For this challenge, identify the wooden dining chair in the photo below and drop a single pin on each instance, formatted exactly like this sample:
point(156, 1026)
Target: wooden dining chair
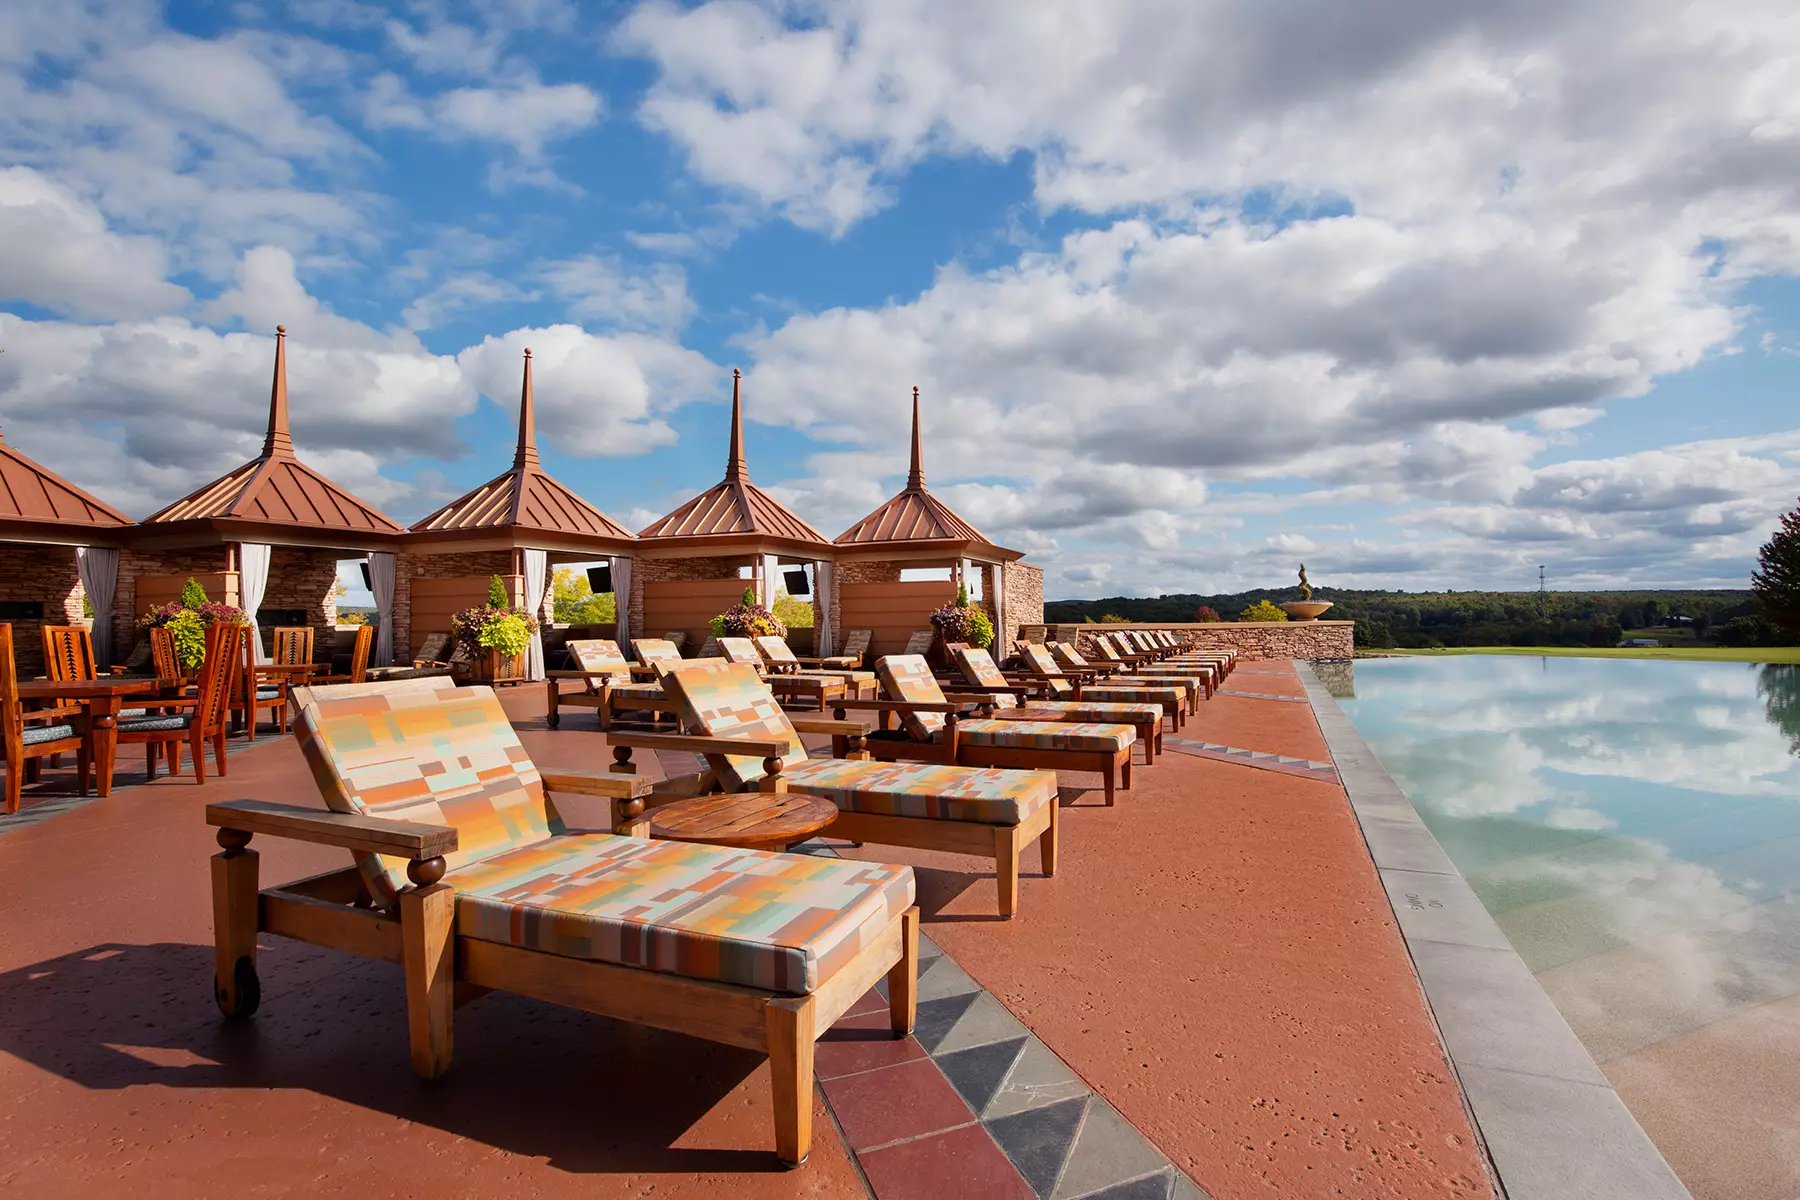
point(291, 645)
point(32, 737)
point(359, 660)
point(195, 720)
point(267, 692)
point(68, 652)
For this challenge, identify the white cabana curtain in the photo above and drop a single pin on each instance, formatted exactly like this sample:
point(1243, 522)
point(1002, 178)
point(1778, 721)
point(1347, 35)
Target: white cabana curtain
point(253, 581)
point(771, 580)
point(99, 571)
point(537, 565)
point(621, 579)
point(381, 582)
point(971, 576)
point(822, 636)
point(1000, 642)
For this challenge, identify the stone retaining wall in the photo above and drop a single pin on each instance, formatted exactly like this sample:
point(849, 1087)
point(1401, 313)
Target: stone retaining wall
point(1253, 640)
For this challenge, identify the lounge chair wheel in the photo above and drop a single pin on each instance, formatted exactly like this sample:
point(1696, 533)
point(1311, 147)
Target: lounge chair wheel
point(249, 992)
point(792, 1166)
point(553, 719)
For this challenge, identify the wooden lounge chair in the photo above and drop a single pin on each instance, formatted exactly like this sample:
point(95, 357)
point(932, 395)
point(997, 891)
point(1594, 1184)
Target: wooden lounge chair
point(856, 646)
point(651, 651)
point(709, 648)
point(779, 659)
point(963, 810)
point(608, 687)
point(676, 638)
point(934, 728)
point(1200, 679)
point(1076, 685)
point(920, 641)
point(433, 652)
point(982, 674)
point(198, 719)
point(1219, 661)
point(811, 689)
point(38, 734)
point(466, 878)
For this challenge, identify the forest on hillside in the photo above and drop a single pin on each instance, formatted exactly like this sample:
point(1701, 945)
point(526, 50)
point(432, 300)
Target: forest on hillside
point(1423, 620)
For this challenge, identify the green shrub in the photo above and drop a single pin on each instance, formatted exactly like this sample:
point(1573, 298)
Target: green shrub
point(192, 594)
point(509, 634)
point(497, 597)
point(981, 629)
point(188, 630)
point(1262, 610)
point(1114, 619)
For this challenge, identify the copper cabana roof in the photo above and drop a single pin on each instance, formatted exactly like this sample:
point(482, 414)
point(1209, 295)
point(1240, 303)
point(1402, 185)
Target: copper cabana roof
point(734, 515)
point(918, 523)
point(272, 498)
point(523, 507)
point(38, 505)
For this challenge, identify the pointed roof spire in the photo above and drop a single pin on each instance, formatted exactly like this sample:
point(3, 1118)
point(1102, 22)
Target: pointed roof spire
point(526, 455)
point(736, 470)
point(278, 444)
point(915, 478)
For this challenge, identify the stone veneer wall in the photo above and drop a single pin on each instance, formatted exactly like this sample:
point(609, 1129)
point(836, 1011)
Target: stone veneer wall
point(410, 565)
point(655, 570)
point(133, 563)
point(46, 574)
point(298, 578)
point(1024, 602)
point(1255, 640)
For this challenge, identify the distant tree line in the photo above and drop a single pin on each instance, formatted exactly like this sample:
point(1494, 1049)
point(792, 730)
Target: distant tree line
point(1424, 620)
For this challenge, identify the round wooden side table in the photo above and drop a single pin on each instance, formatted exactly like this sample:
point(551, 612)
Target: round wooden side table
point(751, 820)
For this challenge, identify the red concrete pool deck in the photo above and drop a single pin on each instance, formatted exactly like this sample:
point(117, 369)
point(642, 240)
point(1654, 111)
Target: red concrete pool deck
point(1215, 958)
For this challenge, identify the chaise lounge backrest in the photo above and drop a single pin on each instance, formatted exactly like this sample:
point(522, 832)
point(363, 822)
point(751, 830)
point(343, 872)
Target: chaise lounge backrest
point(908, 677)
point(777, 651)
point(1042, 664)
point(599, 654)
point(731, 701)
point(740, 650)
point(919, 642)
point(856, 643)
point(424, 750)
point(1067, 655)
point(978, 666)
point(650, 651)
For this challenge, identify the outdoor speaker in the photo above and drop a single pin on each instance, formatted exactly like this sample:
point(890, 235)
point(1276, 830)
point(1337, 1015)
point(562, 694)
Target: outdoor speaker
point(796, 582)
point(365, 571)
point(600, 578)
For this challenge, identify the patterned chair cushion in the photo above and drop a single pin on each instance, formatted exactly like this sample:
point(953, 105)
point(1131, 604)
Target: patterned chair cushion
point(841, 662)
point(1192, 685)
point(906, 677)
point(598, 654)
point(157, 724)
point(1082, 710)
point(740, 650)
point(647, 694)
point(268, 693)
point(978, 667)
point(36, 735)
point(733, 701)
point(663, 667)
point(651, 651)
point(1047, 735)
point(986, 795)
point(1067, 655)
point(125, 713)
point(1044, 666)
point(778, 652)
point(786, 922)
point(1105, 650)
point(415, 751)
point(1170, 697)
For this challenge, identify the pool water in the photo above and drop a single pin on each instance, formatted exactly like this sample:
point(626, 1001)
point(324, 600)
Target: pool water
point(1634, 827)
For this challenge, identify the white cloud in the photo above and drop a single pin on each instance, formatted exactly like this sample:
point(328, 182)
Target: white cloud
point(604, 289)
point(522, 113)
point(57, 252)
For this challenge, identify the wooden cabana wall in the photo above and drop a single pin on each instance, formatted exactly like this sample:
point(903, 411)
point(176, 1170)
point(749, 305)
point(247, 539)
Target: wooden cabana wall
point(690, 562)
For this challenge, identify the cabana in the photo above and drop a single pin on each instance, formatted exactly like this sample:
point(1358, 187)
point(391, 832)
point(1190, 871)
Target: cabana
point(56, 543)
point(915, 530)
point(266, 537)
point(517, 525)
point(689, 561)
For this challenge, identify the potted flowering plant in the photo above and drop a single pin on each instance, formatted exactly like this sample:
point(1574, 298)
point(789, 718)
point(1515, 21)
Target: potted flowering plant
point(187, 621)
point(748, 619)
point(963, 622)
point(495, 635)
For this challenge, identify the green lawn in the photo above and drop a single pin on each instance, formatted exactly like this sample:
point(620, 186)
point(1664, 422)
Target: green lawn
point(1774, 654)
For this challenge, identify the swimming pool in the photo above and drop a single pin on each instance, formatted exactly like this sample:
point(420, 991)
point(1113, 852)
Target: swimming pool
point(1634, 828)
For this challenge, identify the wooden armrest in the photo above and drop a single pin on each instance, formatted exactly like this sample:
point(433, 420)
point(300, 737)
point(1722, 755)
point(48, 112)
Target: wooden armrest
point(168, 702)
point(602, 674)
point(759, 747)
point(899, 705)
point(806, 724)
point(594, 783)
point(980, 688)
point(964, 699)
point(369, 835)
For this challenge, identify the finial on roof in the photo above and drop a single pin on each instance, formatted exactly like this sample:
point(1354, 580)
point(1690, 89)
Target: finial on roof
point(526, 455)
point(279, 442)
point(735, 467)
point(915, 479)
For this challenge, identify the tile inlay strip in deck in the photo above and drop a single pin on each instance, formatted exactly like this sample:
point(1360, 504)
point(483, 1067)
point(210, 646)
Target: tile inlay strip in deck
point(1553, 1126)
point(978, 1095)
point(1260, 759)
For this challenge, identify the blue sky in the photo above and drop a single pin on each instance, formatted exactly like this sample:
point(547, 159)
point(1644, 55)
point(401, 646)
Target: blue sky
point(1193, 291)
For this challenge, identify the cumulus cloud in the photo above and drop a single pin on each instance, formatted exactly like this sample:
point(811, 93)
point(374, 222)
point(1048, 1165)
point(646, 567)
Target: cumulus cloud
point(57, 252)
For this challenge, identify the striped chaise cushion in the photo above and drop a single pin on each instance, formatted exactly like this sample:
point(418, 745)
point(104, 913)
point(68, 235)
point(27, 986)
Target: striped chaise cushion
point(651, 651)
point(778, 652)
point(978, 667)
point(1083, 710)
point(422, 751)
point(740, 650)
point(786, 922)
point(1193, 685)
point(1173, 699)
point(1047, 735)
point(732, 700)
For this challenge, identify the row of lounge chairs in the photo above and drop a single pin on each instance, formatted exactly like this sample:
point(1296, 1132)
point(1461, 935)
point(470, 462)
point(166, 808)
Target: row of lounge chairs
point(466, 875)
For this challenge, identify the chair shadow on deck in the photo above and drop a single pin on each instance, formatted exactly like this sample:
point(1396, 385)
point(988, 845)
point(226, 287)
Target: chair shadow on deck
point(587, 1094)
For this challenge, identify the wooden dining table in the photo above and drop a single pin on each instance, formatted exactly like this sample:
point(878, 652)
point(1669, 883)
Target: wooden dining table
point(103, 698)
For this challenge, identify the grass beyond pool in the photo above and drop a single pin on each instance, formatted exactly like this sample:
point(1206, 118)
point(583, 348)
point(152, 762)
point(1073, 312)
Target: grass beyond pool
point(1634, 828)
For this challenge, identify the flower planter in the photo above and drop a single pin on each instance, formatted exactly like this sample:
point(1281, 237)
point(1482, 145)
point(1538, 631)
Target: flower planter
point(491, 667)
point(1305, 610)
